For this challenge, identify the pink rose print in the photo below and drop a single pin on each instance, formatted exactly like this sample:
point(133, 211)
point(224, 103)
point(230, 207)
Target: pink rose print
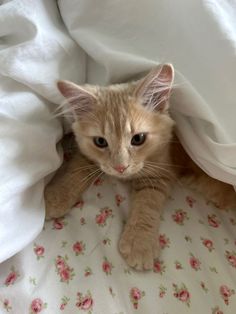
point(182, 294)
point(101, 218)
point(135, 295)
point(98, 182)
point(162, 291)
point(88, 272)
point(216, 310)
point(64, 302)
point(11, 278)
point(65, 272)
point(119, 199)
point(80, 204)
point(59, 223)
point(194, 262)
point(79, 248)
point(213, 221)
point(37, 306)
point(208, 244)
point(6, 305)
point(226, 293)
point(107, 266)
point(178, 265)
point(190, 201)
point(159, 267)
point(82, 221)
point(39, 251)
point(231, 257)
point(85, 302)
point(180, 216)
point(164, 241)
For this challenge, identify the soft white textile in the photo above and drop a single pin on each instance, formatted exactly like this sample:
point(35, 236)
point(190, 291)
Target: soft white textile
point(116, 40)
point(34, 51)
point(81, 271)
point(199, 37)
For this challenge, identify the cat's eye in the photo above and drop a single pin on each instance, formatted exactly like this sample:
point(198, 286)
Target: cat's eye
point(138, 139)
point(100, 142)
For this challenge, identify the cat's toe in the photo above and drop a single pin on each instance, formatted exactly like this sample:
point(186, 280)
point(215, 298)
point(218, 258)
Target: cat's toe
point(138, 249)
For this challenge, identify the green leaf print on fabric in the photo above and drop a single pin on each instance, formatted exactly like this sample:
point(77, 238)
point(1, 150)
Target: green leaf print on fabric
point(64, 302)
point(162, 291)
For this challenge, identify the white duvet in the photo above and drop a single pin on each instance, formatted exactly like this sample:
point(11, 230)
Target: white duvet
point(105, 42)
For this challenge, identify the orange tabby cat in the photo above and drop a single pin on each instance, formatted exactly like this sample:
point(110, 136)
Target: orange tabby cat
point(125, 131)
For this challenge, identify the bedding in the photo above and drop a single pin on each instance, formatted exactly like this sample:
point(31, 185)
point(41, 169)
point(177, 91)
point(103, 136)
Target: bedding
point(42, 41)
point(73, 266)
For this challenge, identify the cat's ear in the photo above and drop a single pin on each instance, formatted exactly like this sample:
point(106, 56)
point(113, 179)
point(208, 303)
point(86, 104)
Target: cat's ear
point(154, 89)
point(80, 99)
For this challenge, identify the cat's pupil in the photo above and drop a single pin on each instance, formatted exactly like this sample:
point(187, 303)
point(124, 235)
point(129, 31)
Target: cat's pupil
point(138, 139)
point(100, 142)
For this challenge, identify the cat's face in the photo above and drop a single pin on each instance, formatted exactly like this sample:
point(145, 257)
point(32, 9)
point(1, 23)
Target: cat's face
point(121, 135)
point(119, 129)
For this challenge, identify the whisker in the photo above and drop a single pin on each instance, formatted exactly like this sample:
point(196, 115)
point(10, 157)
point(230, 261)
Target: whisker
point(155, 167)
point(90, 177)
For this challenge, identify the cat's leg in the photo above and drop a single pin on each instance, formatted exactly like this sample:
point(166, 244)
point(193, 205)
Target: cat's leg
point(70, 181)
point(139, 243)
point(222, 195)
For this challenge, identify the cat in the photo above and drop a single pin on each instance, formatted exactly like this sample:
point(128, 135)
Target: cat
point(126, 131)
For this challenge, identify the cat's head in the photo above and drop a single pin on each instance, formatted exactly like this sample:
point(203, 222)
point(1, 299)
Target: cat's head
point(120, 126)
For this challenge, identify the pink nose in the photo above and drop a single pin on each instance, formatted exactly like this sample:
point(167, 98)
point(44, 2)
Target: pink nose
point(120, 168)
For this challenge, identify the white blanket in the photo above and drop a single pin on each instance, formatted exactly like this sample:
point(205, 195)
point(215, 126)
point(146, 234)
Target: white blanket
point(114, 40)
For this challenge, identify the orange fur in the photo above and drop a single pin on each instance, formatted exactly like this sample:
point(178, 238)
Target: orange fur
point(116, 113)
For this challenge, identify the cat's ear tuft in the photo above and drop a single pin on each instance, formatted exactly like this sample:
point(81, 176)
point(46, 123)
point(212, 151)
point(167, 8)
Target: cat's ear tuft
point(154, 89)
point(79, 99)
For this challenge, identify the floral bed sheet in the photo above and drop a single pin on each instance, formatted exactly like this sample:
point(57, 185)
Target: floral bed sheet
point(74, 265)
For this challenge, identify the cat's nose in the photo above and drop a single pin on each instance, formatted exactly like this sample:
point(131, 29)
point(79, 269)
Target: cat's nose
point(120, 168)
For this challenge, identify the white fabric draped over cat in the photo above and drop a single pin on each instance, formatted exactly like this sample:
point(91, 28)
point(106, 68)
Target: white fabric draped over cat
point(112, 42)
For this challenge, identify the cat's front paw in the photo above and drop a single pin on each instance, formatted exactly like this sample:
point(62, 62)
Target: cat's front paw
point(56, 203)
point(139, 247)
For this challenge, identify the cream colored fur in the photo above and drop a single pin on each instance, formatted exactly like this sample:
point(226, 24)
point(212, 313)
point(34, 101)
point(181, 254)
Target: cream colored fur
point(117, 113)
